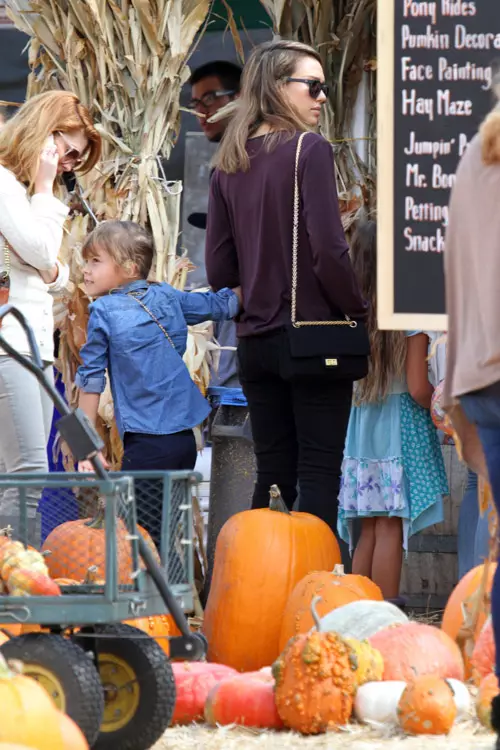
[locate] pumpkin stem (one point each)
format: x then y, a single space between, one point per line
339 570
91 576
98 521
276 502
314 612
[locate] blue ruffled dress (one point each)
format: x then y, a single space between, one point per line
393 465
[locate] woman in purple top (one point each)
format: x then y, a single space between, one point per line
298 423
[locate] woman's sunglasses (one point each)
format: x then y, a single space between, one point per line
315 87
72 153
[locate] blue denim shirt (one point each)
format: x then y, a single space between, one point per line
153 392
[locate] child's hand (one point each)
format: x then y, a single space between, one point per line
237 291
85 467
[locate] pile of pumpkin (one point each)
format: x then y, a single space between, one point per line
26 709
338 650
23 571
74 553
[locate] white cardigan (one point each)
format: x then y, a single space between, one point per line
34 228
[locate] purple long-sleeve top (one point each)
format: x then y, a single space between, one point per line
249 237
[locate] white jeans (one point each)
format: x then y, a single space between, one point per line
25 421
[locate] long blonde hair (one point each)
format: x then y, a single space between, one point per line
262 101
388 348
23 136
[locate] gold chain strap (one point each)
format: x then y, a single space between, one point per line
295 249
6 259
151 315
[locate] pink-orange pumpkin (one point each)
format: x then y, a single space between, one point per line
246 700
483 656
193 682
460 608
414 649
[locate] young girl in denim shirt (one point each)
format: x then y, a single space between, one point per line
137 332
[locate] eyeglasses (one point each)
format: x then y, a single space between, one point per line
315 87
72 153
209 98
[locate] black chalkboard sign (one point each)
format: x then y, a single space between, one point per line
436 63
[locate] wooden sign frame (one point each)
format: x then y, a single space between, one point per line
388 319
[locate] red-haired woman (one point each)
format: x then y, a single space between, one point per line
50 134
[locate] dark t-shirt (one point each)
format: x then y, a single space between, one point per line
249 237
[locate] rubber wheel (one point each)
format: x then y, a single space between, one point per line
68 674
139 688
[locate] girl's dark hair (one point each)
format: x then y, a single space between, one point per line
125 241
388 348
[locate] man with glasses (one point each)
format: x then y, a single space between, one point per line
214 85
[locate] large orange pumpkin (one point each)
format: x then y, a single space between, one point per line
460 609
29 716
77 546
414 649
315 683
484 654
260 556
334 589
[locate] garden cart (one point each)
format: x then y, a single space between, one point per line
114 680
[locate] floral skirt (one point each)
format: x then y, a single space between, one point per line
392 466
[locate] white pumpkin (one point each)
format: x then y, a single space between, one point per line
377 702
362 619
463 700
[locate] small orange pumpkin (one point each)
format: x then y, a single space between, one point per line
335 589
462 604
12 629
315 683
488 689
158 627
427 706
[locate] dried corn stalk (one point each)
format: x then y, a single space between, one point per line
343 31
126 60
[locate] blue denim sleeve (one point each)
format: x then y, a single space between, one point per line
91 375
200 306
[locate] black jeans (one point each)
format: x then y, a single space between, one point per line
299 426
175 452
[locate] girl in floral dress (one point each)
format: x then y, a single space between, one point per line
393 475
